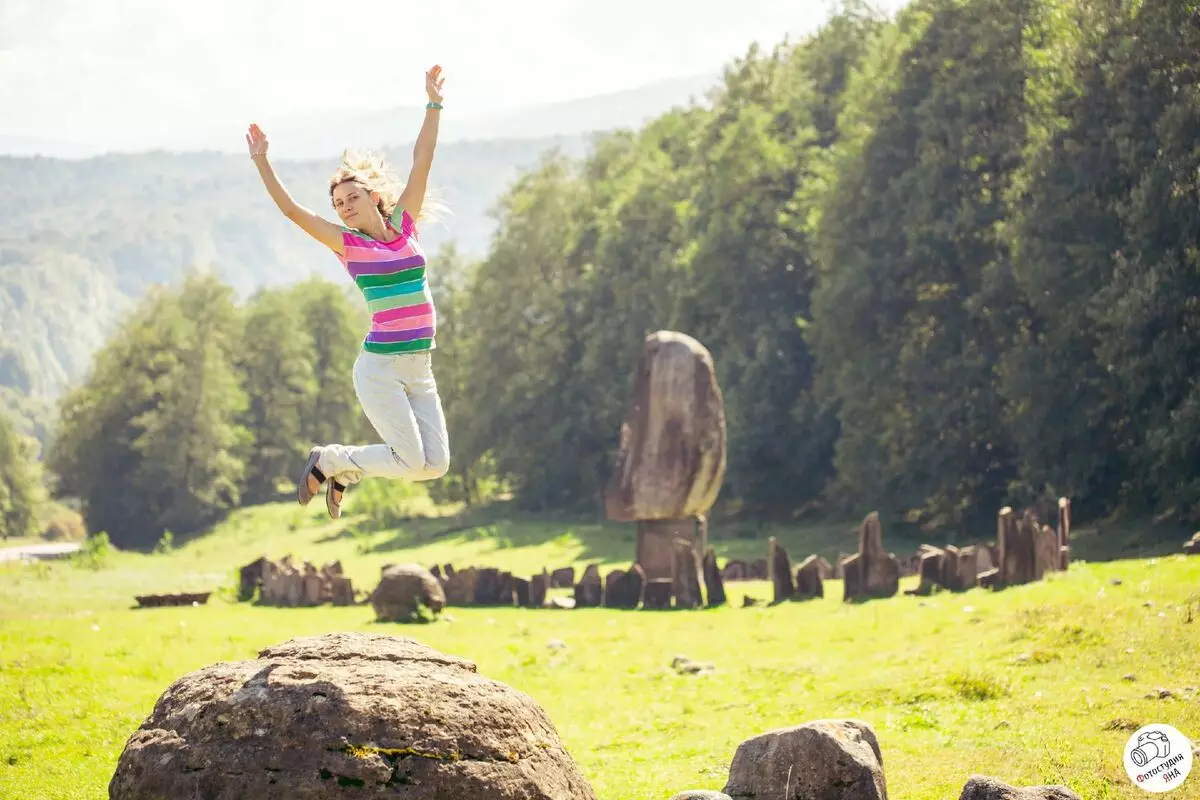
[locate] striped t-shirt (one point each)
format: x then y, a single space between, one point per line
391 277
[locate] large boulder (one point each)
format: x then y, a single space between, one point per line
829 759
403 590
315 716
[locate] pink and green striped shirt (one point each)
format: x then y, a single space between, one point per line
391 277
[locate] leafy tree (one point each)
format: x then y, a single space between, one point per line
21 491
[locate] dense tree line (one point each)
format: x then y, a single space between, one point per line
943 262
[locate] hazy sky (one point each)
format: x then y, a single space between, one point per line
88 70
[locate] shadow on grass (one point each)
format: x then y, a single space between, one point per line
505 527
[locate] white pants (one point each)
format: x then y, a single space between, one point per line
399 396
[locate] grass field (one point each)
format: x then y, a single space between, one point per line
1031 685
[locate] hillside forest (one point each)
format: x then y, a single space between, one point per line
944 262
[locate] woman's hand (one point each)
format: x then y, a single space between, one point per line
256 140
433 84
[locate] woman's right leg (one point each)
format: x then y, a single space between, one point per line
382 394
399 396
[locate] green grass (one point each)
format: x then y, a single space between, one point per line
1026 685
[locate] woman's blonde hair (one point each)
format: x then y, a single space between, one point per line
372 172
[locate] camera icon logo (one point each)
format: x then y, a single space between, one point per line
1158 758
1151 746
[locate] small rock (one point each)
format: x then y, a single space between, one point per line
981 787
1002 724
1122 724
700 794
1159 694
685 665
556 644
1129 677
1116 581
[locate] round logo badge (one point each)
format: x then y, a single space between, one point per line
1158 758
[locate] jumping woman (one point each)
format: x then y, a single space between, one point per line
377 243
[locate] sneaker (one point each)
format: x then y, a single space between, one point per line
305 491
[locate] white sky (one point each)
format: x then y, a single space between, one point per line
91 70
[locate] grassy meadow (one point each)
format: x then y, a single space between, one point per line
1036 684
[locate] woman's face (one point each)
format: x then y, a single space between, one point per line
354 204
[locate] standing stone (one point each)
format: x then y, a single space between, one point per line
781 570
671 460
623 587
672 452
959 568
493 587
685 582
341 591
563 578
714 583
521 591
345 715
808 580
876 572
930 570
460 587
826 759
1017 548
537 590
589 592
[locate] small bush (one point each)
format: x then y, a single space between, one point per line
65 526
95 552
977 686
389 503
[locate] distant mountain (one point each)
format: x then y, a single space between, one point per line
323 134
81 241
